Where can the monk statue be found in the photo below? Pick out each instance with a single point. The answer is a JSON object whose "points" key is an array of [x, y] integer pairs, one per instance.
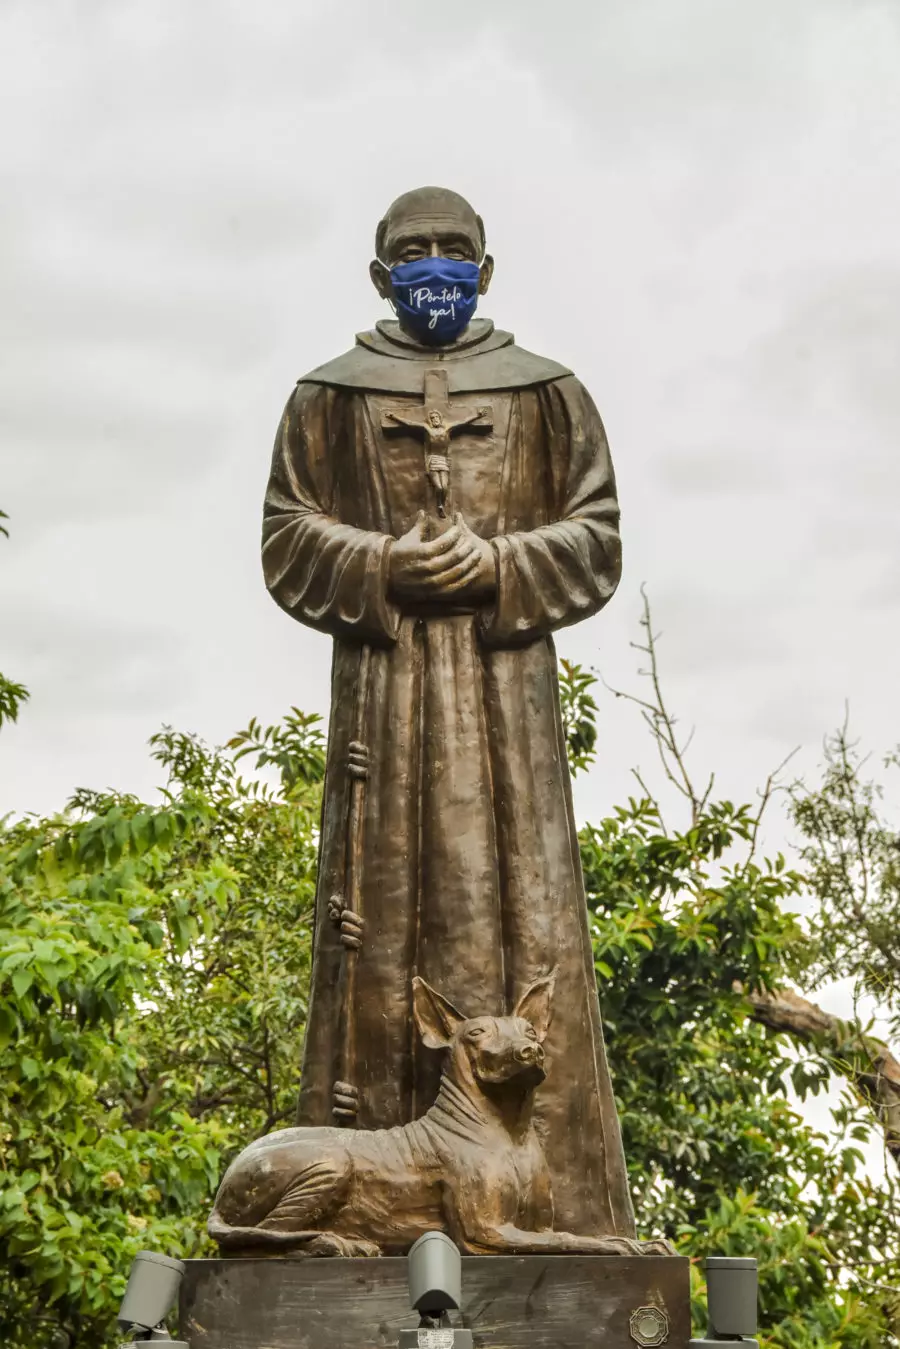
{"points": [[440, 502]]}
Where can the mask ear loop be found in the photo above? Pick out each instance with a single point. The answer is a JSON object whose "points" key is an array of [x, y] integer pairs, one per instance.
{"points": [[389, 298]]}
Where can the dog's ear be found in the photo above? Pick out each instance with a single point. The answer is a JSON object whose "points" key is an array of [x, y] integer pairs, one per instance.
{"points": [[536, 1004], [436, 1018]]}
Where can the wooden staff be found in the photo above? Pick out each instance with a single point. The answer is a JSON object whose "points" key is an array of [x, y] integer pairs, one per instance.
{"points": [[346, 909]]}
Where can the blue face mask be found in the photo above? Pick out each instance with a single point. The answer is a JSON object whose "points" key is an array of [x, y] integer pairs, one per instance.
{"points": [[435, 297]]}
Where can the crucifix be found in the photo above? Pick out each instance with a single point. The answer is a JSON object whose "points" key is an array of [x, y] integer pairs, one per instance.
{"points": [[438, 421]]}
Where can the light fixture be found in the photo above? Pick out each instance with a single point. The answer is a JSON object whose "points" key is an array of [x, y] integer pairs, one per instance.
{"points": [[435, 1289], [151, 1294], [731, 1293]]}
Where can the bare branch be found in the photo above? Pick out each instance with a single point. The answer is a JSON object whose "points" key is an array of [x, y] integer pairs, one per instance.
{"points": [[636, 774], [772, 785]]}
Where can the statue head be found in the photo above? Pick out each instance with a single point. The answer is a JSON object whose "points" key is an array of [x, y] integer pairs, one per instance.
{"points": [[429, 222], [488, 1051]]}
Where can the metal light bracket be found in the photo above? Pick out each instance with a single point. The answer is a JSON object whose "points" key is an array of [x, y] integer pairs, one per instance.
{"points": [[436, 1337]]}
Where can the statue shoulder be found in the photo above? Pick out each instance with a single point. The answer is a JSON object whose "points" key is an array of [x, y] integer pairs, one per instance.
{"points": [[349, 370], [508, 367], [573, 392]]}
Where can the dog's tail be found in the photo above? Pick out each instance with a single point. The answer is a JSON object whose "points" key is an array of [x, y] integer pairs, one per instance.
{"points": [[231, 1239], [262, 1241]]}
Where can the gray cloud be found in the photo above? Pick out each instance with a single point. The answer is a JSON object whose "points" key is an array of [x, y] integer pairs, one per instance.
{"points": [[720, 470], [113, 664]]}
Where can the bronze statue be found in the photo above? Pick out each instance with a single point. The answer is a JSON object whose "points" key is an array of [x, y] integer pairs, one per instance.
{"points": [[440, 502], [472, 1166]]}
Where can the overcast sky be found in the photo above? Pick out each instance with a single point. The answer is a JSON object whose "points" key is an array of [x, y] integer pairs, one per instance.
{"points": [[695, 204]]}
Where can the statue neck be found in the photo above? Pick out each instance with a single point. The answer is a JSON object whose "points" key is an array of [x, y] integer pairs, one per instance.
{"points": [[470, 1109]]}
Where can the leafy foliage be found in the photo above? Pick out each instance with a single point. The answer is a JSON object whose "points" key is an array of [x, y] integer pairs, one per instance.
{"points": [[12, 696], [852, 856], [295, 747], [154, 962], [684, 924], [579, 715]]}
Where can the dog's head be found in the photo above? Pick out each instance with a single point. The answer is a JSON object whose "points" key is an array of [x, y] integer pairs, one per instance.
{"points": [[489, 1050]]}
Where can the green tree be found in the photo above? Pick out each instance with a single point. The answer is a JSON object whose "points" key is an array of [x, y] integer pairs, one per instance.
{"points": [[153, 975], [851, 854]]}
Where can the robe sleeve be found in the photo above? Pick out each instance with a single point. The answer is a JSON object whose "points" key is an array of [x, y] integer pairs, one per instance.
{"points": [[325, 573], [566, 570]]}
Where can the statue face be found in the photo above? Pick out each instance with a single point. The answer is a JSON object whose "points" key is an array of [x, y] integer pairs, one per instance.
{"points": [[430, 222], [502, 1049]]}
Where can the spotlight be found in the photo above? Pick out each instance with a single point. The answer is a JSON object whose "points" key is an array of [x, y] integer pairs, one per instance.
{"points": [[435, 1289], [151, 1294], [731, 1291]]}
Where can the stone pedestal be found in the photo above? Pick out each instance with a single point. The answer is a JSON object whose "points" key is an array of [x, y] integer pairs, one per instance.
{"points": [[509, 1302]]}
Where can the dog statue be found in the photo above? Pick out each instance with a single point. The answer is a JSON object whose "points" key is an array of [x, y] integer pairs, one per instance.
{"points": [[472, 1166]]}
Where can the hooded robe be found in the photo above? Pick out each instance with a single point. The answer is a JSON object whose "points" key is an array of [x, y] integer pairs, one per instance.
{"points": [[469, 869]]}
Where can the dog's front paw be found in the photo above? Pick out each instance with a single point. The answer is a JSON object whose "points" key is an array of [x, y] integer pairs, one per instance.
{"points": [[360, 1248], [330, 1244], [657, 1246]]}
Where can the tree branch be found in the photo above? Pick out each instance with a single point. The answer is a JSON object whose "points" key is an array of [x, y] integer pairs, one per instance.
{"points": [[772, 785], [868, 1064], [201, 1104], [139, 1109]]}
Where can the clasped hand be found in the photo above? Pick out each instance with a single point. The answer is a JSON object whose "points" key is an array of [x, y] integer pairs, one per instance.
{"points": [[456, 561]]}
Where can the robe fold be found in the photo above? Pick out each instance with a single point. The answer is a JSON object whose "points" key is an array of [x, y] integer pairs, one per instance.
{"points": [[470, 870]]}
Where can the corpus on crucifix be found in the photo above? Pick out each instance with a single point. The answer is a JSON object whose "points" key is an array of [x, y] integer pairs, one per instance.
{"points": [[442, 501], [438, 420]]}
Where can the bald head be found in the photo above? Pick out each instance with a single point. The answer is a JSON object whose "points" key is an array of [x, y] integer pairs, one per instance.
{"points": [[429, 221], [430, 214]]}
